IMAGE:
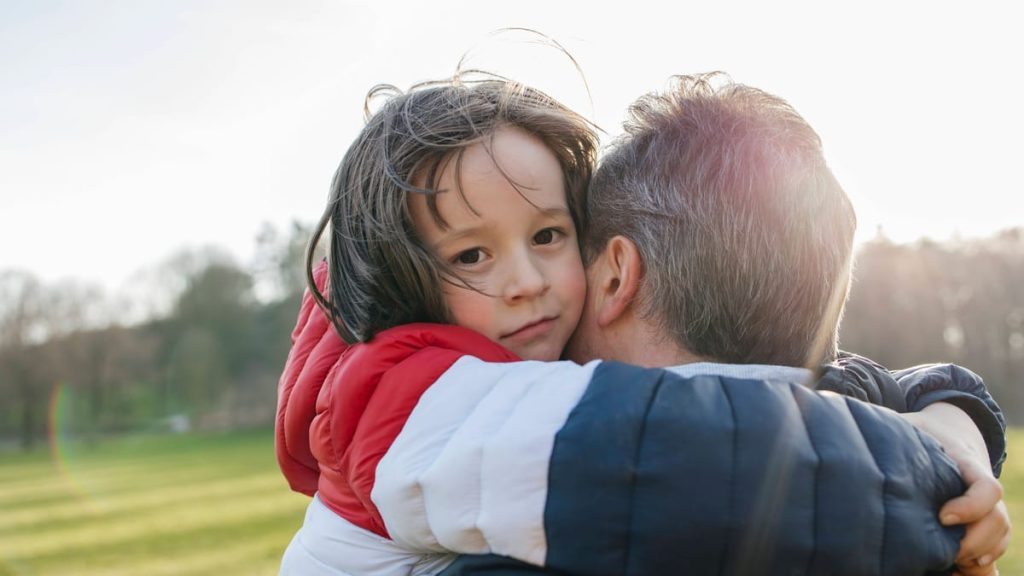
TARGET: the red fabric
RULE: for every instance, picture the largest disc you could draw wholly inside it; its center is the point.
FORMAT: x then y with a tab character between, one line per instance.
339	408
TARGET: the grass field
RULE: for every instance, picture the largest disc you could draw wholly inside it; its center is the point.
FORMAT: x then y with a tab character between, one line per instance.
153	506
186	505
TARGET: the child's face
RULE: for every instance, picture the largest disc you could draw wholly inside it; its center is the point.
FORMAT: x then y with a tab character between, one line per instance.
523	258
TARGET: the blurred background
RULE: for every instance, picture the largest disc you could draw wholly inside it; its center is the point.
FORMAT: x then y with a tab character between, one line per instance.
162	164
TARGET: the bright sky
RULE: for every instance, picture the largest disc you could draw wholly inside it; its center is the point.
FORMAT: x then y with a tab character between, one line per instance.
131	129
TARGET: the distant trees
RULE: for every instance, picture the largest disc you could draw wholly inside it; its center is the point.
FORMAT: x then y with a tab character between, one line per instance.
21	383
212	334
45	341
208	352
959	302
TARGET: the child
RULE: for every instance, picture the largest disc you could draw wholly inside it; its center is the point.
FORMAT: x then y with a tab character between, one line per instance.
458	204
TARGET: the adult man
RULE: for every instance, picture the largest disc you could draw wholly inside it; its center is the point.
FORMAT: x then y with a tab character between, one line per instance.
718	244
717	233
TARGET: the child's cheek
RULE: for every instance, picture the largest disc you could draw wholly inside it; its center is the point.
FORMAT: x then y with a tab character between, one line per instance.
575	288
472	310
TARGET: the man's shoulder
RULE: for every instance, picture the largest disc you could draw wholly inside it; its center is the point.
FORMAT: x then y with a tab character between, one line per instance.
473	367
769	372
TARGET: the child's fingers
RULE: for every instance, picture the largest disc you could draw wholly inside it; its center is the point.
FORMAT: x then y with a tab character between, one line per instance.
986	540
987	561
983	493
989	570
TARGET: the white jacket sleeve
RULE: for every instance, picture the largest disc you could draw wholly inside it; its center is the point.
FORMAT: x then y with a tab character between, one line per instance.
469	471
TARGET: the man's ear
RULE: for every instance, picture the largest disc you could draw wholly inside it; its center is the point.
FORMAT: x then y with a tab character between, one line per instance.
617	279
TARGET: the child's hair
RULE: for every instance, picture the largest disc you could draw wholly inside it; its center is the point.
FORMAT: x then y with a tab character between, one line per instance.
381	274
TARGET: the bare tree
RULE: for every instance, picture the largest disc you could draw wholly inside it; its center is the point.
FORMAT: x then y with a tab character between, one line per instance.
21	327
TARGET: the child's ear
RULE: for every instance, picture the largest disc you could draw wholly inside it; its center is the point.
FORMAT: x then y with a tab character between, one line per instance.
617	279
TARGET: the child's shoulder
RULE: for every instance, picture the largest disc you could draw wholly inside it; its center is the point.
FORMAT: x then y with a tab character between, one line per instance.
408	339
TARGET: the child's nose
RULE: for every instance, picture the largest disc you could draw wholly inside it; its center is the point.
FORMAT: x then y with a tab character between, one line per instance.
525	280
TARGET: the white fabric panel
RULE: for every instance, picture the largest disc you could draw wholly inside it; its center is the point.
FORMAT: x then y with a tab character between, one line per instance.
516	461
329	545
469	469
451	484
438	415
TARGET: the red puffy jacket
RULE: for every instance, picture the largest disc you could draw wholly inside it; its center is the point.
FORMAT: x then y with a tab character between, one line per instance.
340	407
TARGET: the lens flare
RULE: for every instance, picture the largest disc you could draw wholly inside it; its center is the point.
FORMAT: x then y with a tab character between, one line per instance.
61	451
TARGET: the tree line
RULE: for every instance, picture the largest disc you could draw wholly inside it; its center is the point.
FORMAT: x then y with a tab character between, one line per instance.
959	301
201	341
197	344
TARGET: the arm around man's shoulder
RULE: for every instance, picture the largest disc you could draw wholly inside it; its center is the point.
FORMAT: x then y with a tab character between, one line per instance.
914	389
614	469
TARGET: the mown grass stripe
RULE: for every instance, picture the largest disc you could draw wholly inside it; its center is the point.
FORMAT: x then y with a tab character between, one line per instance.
151	552
196	506
172	528
70	514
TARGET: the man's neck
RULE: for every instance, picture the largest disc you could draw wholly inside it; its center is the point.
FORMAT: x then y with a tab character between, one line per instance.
670	356
657	352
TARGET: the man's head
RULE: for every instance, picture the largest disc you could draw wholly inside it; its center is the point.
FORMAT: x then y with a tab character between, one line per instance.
714	228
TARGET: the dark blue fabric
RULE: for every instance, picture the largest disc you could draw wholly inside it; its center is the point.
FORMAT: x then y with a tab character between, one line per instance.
831	431
919	479
864	379
913	389
494	565
930	383
601	488
658	474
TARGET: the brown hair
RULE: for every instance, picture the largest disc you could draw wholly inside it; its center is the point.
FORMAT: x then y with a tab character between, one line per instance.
381	274
745	234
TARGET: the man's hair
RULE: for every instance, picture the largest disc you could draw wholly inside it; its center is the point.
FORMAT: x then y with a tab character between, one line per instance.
745	234
381	274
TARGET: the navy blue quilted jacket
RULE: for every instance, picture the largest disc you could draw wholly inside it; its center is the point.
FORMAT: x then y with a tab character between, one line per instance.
654	473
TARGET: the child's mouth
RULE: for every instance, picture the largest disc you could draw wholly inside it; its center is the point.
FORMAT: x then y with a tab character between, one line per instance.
532	330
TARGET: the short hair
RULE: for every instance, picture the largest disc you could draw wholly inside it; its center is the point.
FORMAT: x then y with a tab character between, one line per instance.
745	234
381	274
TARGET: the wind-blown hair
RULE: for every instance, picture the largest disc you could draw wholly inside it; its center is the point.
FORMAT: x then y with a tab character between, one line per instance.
381	274
745	234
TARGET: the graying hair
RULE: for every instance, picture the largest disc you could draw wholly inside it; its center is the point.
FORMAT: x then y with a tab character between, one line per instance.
745	234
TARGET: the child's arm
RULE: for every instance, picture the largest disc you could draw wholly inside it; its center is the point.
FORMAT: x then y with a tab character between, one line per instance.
952	404
647	472
951	384
913	389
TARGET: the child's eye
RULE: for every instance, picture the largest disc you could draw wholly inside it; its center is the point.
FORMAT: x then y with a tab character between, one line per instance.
546	236
471	256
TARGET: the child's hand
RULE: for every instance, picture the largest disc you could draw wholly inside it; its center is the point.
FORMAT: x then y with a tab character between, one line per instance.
981	507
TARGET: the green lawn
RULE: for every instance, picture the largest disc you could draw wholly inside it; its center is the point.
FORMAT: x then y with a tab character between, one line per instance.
153	506
1013	483
185	505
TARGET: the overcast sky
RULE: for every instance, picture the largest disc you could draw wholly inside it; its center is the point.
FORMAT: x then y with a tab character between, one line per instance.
131	129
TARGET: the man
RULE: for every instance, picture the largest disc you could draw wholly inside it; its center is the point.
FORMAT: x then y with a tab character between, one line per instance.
718	244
